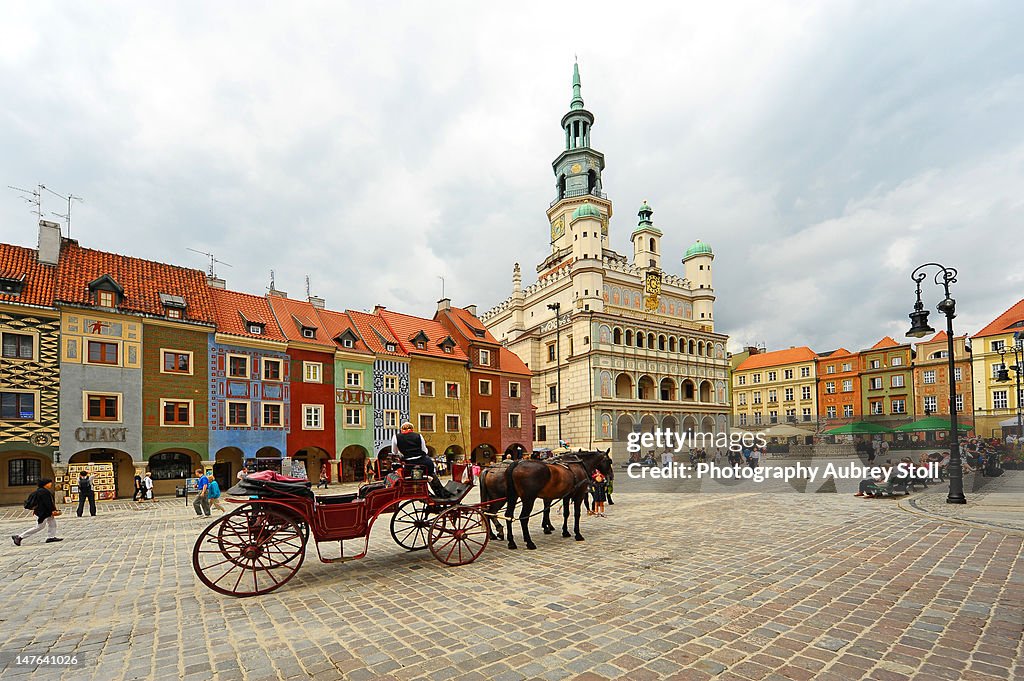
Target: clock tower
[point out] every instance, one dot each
(577, 176)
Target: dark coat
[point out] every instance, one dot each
(42, 504)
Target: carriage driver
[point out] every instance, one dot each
(413, 449)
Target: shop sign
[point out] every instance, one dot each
(101, 434)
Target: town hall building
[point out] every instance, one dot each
(616, 344)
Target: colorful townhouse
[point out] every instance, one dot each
(390, 385)
(29, 368)
(887, 382)
(353, 397)
(311, 438)
(107, 303)
(776, 387)
(249, 386)
(839, 400)
(439, 383)
(931, 379)
(501, 411)
(992, 350)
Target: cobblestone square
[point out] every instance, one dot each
(713, 586)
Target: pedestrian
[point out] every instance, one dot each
(86, 491)
(323, 476)
(202, 501)
(884, 447)
(369, 472)
(755, 457)
(599, 490)
(139, 491)
(213, 494)
(41, 503)
(147, 486)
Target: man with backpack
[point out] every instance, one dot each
(41, 503)
(86, 491)
(202, 501)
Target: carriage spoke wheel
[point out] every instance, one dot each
(248, 552)
(410, 525)
(458, 536)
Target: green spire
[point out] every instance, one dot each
(577, 98)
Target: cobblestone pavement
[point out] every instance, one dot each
(726, 586)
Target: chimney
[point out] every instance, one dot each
(49, 242)
(274, 292)
(377, 309)
(471, 309)
(752, 350)
(216, 282)
(444, 304)
(317, 302)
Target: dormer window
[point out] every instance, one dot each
(105, 298)
(390, 347)
(174, 306)
(447, 349)
(421, 345)
(107, 292)
(173, 313)
(347, 343)
(12, 286)
(308, 332)
(346, 338)
(256, 329)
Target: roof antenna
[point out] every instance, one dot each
(442, 286)
(272, 287)
(36, 198)
(211, 272)
(69, 198)
(308, 294)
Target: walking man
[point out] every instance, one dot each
(139, 490)
(147, 487)
(202, 500)
(85, 491)
(41, 503)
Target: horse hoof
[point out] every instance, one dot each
(579, 537)
(566, 534)
(512, 547)
(531, 547)
(548, 530)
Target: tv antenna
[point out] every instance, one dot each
(308, 294)
(69, 198)
(211, 272)
(32, 196)
(272, 287)
(442, 286)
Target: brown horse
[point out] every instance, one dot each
(566, 478)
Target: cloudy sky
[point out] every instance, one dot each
(823, 149)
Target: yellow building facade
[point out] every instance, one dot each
(995, 404)
(776, 387)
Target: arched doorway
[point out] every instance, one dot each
(312, 459)
(483, 454)
(689, 425)
(452, 454)
(667, 390)
(624, 387)
(226, 464)
(670, 424)
(267, 459)
(124, 468)
(21, 471)
(623, 427)
(648, 423)
(515, 450)
(352, 467)
(705, 391)
(689, 390)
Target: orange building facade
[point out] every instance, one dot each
(839, 389)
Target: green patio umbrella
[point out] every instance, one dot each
(931, 423)
(858, 428)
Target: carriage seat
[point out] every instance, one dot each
(369, 487)
(268, 485)
(337, 499)
(457, 489)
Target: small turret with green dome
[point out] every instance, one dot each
(645, 224)
(587, 210)
(698, 248)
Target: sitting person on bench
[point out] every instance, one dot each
(413, 449)
(867, 485)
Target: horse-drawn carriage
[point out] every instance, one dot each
(259, 546)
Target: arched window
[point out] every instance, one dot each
(639, 339)
(661, 342)
(629, 337)
(617, 336)
(672, 344)
(691, 347)
(170, 466)
(650, 341)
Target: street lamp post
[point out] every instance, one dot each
(919, 328)
(558, 364)
(1018, 367)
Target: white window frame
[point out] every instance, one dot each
(875, 383)
(280, 369)
(830, 387)
(35, 344)
(755, 397)
(191, 360)
(877, 407)
(876, 364)
(270, 403)
(848, 385)
(757, 418)
(847, 367)
(959, 402)
(805, 392)
(347, 424)
(518, 417)
(433, 419)
(518, 391)
(426, 381)
(755, 378)
(898, 382)
(315, 410)
(787, 374)
(928, 377)
(484, 418)
(458, 389)
(485, 357)
(392, 418)
(384, 383)
(830, 411)
(901, 403)
(191, 413)
(742, 398)
(997, 345)
(773, 376)
(1001, 396)
(958, 374)
(227, 365)
(741, 380)
(743, 419)
(480, 386)
(830, 369)
(312, 372)
(227, 414)
(458, 423)
(788, 395)
(931, 404)
(805, 372)
(847, 411)
(773, 396)
(896, 361)
(349, 373)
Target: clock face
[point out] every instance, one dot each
(653, 283)
(557, 228)
(576, 167)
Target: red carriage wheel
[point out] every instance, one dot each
(410, 525)
(459, 535)
(250, 551)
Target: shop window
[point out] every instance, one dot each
(23, 472)
(170, 466)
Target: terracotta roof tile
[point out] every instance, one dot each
(406, 327)
(471, 326)
(337, 323)
(886, 342)
(511, 363)
(292, 315)
(375, 333)
(142, 280)
(837, 354)
(232, 309)
(777, 358)
(1011, 320)
(39, 280)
